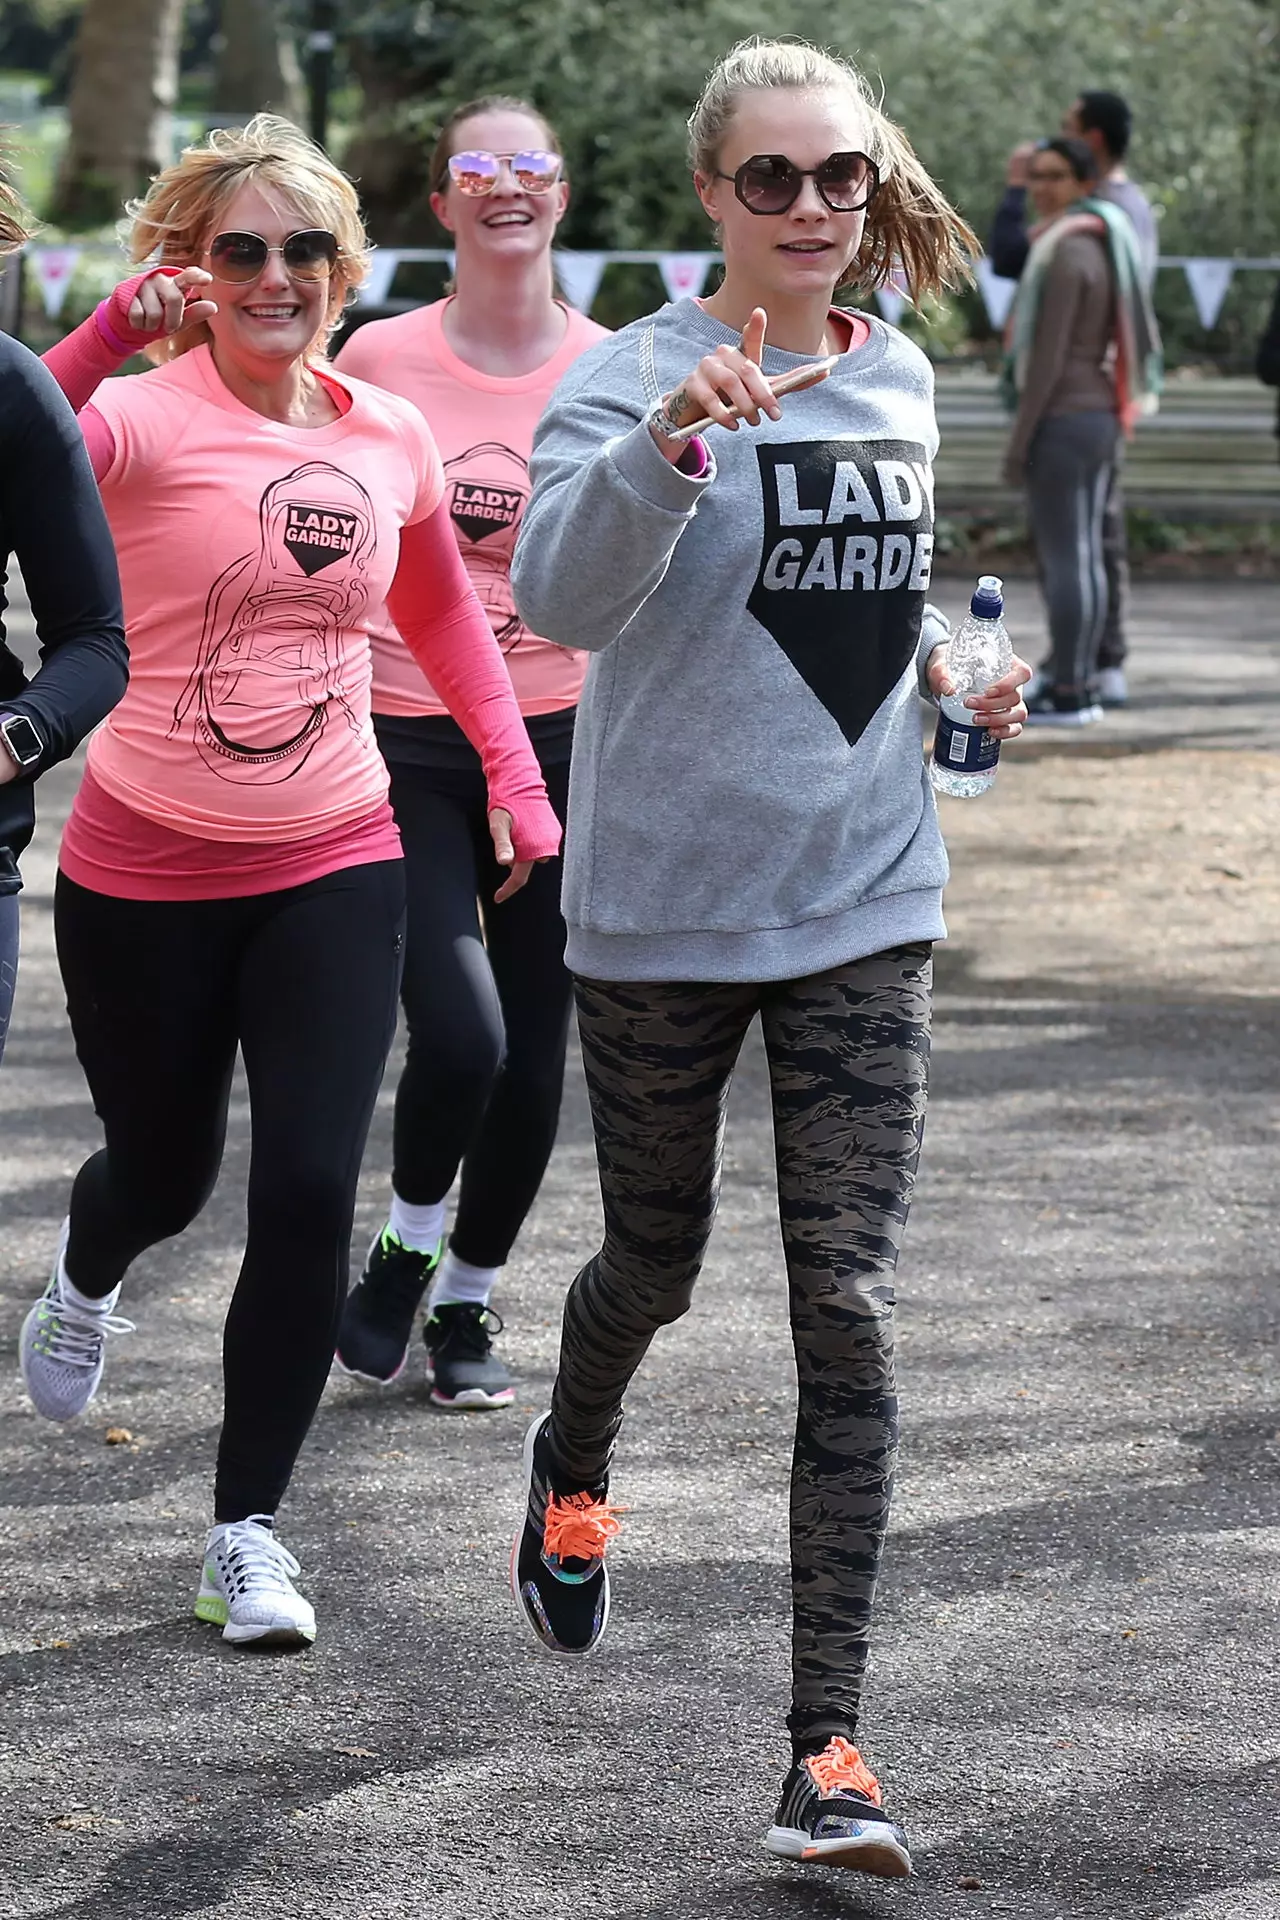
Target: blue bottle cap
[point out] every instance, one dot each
(988, 600)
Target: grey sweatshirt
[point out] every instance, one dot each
(748, 800)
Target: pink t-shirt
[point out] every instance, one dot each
(249, 565)
(483, 426)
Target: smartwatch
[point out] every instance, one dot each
(20, 740)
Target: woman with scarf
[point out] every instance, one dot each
(1083, 364)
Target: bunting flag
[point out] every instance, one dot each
(891, 299)
(997, 294)
(684, 275)
(53, 268)
(1209, 281)
(382, 271)
(579, 276)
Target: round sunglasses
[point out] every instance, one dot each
(478, 171)
(770, 183)
(311, 254)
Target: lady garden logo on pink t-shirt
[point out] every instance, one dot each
(268, 676)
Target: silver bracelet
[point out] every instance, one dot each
(659, 421)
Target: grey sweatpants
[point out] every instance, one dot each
(848, 1058)
(1071, 470)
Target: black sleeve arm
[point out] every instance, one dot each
(1269, 348)
(52, 519)
(1009, 246)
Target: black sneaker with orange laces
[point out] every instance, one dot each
(558, 1575)
(830, 1813)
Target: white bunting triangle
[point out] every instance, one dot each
(891, 299)
(1209, 281)
(579, 276)
(382, 271)
(53, 268)
(997, 293)
(684, 275)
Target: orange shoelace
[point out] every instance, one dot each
(579, 1526)
(841, 1768)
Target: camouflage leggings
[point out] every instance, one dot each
(848, 1061)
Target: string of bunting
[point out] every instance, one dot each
(684, 275)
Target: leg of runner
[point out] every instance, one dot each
(507, 1158)
(658, 1061)
(317, 1001)
(8, 961)
(848, 1061)
(455, 1049)
(158, 994)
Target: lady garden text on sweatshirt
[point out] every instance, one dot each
(748, 798)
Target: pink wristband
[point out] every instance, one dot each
(102, 321)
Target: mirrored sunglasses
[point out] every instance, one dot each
(310, 254)
(770, 183)
(478, 171)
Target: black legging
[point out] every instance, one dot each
(8, 960)
(486, 1000)
(159, 994)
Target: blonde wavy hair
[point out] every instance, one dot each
(14, 228)
(911, 225)
(182, 208)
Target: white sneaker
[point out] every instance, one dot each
(63, 1347)
(247, 1587)
(1113, 688)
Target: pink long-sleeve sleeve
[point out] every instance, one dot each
(93, 351)
(437, 614)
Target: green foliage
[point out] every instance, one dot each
(966, 77)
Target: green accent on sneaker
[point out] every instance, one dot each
(212, 1608)
(388, 1239)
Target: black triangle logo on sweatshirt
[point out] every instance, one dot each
(846, 561)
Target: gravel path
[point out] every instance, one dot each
(1074, 1700)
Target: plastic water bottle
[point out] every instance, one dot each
(965, 756)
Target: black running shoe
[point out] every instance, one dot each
(377, 1321)
(466, 1375)
(558, 1574)
(830, 1813)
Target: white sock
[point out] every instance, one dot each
(74, 1298)
(417, 1227)
(457, 1281)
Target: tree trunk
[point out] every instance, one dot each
(122, 94)
(257, 66)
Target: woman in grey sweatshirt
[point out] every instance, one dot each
(751, 832)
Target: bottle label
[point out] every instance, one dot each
(964, 749)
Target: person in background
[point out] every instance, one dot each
(51, 520)
(1268, 361)
(486, 994)
(1104, 122)
(1080, 365)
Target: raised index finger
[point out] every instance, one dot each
(753, 335)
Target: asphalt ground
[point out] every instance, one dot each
(1073, 1701)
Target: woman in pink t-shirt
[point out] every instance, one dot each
(231, 875)
(486, 996)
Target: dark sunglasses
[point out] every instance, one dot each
(770, 183)
(311, 254)
(478, 171)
